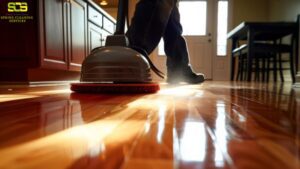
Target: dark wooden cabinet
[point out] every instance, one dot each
(78, 34)
(53, 43)
(65, 35)
(54, 40)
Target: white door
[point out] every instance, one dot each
(200, 51)
(199, 21)
(196, 18)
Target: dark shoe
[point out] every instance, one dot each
(184, 75)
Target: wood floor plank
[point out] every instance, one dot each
(215, 125)
(154, 148)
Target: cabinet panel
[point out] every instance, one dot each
(54, 40)
(104, 35)
(78, 33)
(108, 25)
(95, 36)
(95, 16)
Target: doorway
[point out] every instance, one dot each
(204, 28)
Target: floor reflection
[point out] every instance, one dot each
(279, 105)
(193, 142)
(46, 114)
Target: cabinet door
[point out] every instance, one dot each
(53, 43)
(78, 33)
(95, 36)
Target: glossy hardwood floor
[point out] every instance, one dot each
(213, 125)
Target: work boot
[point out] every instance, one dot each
(186, 74)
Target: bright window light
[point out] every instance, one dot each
(192, 18)
(222, 28)
(161, 49)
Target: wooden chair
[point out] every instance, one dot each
(274, 52)
(240, 53)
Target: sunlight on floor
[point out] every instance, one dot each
(14, 97)
(29, 95)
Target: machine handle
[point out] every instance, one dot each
(121, 18)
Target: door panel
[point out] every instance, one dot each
(199, 49)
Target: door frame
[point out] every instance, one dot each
(221, 64)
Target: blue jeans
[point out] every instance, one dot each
(156, 19)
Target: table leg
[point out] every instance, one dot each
(250, 54)
(232, 66)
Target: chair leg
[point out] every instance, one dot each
(232, 66)
(239, 68)
(280, 67)
(256, 69)
(295, 50)
(245, 63)
(274, 68)
(268, 67)
(292, 65)
(263, 71)
(242, 68)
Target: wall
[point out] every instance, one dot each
(250, 10)
(112, 11)
(284, 10)
(131, 7)
(264, 10)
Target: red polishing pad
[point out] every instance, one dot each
(115, 87)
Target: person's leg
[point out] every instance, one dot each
(175, 45)
(179, 68)
(149, 23)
